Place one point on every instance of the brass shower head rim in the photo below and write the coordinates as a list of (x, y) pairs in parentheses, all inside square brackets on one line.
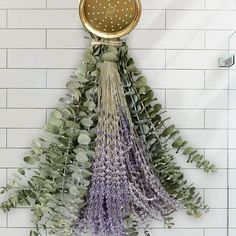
[(110, 35)]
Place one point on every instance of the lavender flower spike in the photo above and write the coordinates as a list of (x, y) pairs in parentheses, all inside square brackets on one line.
[(122, 181)]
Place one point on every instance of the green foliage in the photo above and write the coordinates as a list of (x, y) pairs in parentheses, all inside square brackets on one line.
[(61, 164), (60, 179), (160, 139)]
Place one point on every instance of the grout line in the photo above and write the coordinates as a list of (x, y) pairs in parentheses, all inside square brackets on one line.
[(46, 39), (144, 9)]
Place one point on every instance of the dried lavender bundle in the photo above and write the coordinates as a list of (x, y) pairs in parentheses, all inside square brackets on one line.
[(122, 181)]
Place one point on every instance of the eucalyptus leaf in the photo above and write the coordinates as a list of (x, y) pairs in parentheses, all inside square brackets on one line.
[(90, 105), (21, 171), (87, 122), (84, 139), (81, 155), (86, 173), (31, 159), (168, 131)]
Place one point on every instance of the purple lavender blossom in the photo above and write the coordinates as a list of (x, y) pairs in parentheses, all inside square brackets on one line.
[(123, 182)]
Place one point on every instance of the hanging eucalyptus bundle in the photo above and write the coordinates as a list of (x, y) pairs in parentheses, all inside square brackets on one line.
[(108, 161)]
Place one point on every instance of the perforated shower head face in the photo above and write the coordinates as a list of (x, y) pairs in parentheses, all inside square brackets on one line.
[(110, 18)]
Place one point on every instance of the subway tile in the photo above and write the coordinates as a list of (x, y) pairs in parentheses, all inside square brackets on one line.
[(20, 218), (232, 198), (12, 158), (70, 58), (62, 4), (232, 139), (151, 4), (25, 38), (232, 119), (217, 157), (193, 119), (214, 20), (39, 98), (232, 217), (3, 61), (16, 231), (67, 38), (222, 37), (216, 79), (175, 79), (177, 4), (174, 232), (206, 180), (3, 18), (217, 119), (232, 232), (216, 218), (22, 78), (215, 232), (3, 98), (22, 138), (9, 4), (221, 4), (2, 177), (43, 19), (232, 158), (153, 59), (163, 39), (2, 220), (138, 39), (152, 19), (22, 118), (216, 202), (194, 59), (232, 80), (213, 139), (2, 197), (232, 99), (58, 78), (2, 138), (197, 99), (213, 219), (232, 177), (160, 95), (44, 58)]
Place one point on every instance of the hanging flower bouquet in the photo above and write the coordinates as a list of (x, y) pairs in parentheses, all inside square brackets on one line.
[(107, 162)]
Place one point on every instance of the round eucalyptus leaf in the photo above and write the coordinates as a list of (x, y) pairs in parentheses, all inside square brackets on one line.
[(84, 139), (81, 155), (86, 122)]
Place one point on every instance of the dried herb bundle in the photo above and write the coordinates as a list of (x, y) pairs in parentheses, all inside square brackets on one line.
[(108, 162)]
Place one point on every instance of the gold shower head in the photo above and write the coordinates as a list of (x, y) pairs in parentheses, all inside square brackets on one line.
[(110, 18)]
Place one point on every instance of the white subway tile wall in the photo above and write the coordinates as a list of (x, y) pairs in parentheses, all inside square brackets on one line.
[(176, 44)]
